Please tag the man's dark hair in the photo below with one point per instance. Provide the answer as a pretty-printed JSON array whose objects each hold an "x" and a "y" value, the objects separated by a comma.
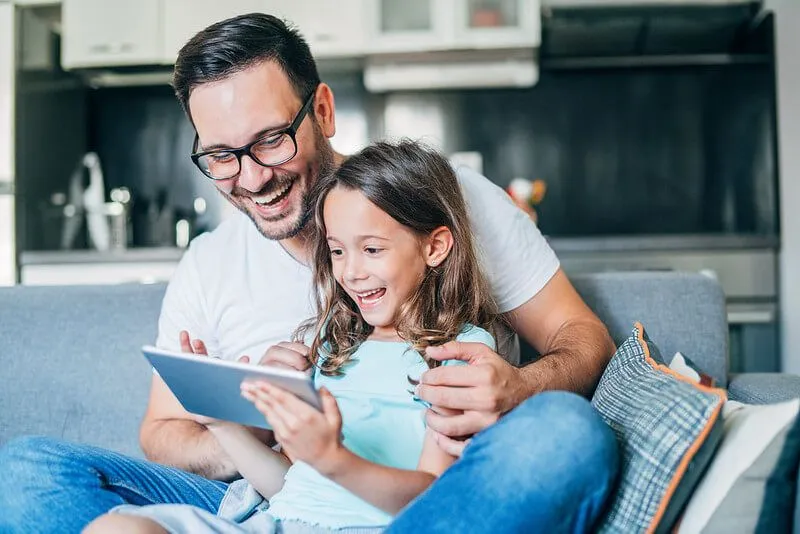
[{"x": 235, "y": 44}]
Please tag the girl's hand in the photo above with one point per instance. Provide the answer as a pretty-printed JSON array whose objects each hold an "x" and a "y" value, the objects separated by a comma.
[{"x": 304, "y": 432}]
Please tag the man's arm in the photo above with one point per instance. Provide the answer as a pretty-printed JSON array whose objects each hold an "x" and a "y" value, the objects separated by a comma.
[
  {"x": 574, "y": 344},
  {"x": 170, "y": 436},
  {"x": 575, "y": 348}
]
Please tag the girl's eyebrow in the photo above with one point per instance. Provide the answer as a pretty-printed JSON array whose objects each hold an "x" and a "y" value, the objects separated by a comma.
[
  {"x": 371, "y": 236},
  {"x": 361, "y": 238}
]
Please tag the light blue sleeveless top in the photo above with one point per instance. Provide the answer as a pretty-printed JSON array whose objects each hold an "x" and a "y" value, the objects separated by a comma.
[{"x": 381, "y": 423}]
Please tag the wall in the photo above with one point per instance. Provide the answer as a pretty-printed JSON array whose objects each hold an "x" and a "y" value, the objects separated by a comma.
[
  {"x": 623, "y": 151},
  {"x": 788, "y": 73}
]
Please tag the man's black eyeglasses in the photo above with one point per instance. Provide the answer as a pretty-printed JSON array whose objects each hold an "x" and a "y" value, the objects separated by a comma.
[{"x": 269, "y": 150}]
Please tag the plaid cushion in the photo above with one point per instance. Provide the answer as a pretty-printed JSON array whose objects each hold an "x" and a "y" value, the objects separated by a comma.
[{"x": 667, "y": 431}]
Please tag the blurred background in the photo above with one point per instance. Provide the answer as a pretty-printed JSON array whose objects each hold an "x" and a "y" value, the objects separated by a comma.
[{"x": 660, "y": 134}]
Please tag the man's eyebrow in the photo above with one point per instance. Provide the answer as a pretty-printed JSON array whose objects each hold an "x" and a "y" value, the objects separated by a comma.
[{"x": 257, "y": 135}]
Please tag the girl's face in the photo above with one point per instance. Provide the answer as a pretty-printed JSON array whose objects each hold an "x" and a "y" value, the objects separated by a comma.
[{"x": 379, "y": 262}]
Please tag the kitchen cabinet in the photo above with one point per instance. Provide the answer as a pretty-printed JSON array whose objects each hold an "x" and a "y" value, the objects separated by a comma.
[
  {"x": 425, "y": 25},
  {"x": 80, "y": 267},
  {"x": 497, "y": 23},
  {"x": 184, "y": 18},
  {"x": 102, "y": 33},
  {"x": 410, "y": 26},
  {"x": 331, "y": 28},
  {"x": 8, "y": 256}
]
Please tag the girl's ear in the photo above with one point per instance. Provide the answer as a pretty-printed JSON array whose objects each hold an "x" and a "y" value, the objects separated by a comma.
[{"x": 439, "y": 244}]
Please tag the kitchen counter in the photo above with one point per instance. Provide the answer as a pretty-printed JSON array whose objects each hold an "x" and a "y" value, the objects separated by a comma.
[
  {"x": 70, "y": 267},
  {"x": 662, "y": 243},
  {"x": 561, "y": 245},
  {"x": 131, "y": 255},
  {"x": 745, "y": 265}
]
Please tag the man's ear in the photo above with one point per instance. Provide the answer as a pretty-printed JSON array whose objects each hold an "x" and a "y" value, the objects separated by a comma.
[
  {"x": 324, "y": 110},
  {"x": 438, "y": 246}
]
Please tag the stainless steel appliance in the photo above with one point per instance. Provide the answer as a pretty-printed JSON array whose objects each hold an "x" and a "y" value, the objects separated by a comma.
[
  {"x": 7, "y": 237},
  {"x": 746, "y": 267}
]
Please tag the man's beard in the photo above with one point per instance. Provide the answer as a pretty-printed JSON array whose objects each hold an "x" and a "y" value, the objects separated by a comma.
[{"x": 325, "y": 165}]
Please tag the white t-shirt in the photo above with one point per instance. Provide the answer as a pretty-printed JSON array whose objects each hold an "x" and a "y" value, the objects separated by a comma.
[{"x": 242, "y": 293}]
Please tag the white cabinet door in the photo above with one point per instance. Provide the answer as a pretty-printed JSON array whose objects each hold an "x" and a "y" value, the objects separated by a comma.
[
  {"x": 8, "y": 258},
  {"x": 410, "y": 25},
  {"x": 332, "y": 28},
  {"x": 497, "y": 23},
  {"x": 426, "y": 25},
  {"x": 99, "y": 33},
  {"x": 184, "y": 18}
]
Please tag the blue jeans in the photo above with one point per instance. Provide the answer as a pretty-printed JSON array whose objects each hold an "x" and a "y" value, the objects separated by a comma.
[
  {"x": 52, "y": 486},
  {"x": 547, "y": 466}
]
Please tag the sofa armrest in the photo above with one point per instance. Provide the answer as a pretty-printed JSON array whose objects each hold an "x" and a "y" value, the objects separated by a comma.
[{"x": 763, "y": 388}]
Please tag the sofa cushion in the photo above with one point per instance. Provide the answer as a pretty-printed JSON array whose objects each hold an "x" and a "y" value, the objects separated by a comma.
[
  {"x": 71, "y": 362},
  {"x": 750, "y": 484},
  {"x": 668, "y": 428}
]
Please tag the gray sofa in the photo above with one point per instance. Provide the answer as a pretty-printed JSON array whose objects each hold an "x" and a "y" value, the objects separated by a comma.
[{"x": 72, "y": 368}]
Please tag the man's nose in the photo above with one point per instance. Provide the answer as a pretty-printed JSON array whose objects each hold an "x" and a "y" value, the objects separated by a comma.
[{"x": 252, "y": 176}]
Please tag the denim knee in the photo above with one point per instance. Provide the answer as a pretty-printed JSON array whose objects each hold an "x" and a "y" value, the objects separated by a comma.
[
  {"x": 24, "y": 461},
  {"x": 554, "y": 437}
]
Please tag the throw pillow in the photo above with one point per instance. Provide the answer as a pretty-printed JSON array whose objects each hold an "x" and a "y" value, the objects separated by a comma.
[
  {"x": 683, "y": 365},
  {"x": 751, "y": 483},
  {"x": 668, "y": 428}
]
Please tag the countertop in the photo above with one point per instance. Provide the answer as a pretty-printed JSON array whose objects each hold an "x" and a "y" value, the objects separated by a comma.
[
  {"x": 561, "y": 245},
  {"x": 662, "y": 243},
  {"x": 131, "y": 255}
]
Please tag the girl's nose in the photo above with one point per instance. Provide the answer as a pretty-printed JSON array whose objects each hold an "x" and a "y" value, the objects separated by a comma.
[{"x": 354, "y": 269}]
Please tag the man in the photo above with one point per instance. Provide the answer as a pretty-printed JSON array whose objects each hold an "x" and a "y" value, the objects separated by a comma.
[{"x": 250, "y": 87}]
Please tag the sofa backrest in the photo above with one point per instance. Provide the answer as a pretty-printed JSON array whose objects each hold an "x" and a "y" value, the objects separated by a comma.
[
  {"x": 681, "y": 312},
  {"x": 72, "y": 367},
  {"x": 71, "y": 362}
]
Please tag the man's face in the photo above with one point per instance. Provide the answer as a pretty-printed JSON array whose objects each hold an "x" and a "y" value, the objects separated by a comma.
[{"x": 241, "y": 108}]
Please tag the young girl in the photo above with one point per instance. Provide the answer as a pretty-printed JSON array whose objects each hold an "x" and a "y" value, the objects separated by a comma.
[{"x": 395, "y": 272}]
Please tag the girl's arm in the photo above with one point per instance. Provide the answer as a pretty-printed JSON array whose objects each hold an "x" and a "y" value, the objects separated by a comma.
[
  {"x": 315, "y": 438},
  {"x": 387, "y": 488},
  {"x": 262, "y": 466}
]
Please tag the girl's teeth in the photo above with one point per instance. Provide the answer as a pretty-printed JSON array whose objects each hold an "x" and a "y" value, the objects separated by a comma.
[{"x": 365, "y": 297}]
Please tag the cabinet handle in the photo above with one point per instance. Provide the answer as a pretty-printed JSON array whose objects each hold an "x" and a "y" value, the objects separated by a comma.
[
  {"x": 103, "y": 48},
  {"x": 111, "y": 48}
]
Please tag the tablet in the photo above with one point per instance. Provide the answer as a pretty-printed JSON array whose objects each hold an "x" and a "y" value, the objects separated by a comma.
[{"x": 211, "y": 387}]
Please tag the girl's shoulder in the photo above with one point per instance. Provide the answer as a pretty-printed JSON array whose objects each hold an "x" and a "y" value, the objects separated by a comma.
[{"x": 475, "y": 334}]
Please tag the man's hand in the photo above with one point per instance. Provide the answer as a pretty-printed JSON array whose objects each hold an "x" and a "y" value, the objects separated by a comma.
[
  {"x": 196, "y": 346},
  {"x": 289, "y": 356},
  {"x": 466, "y": 399}
]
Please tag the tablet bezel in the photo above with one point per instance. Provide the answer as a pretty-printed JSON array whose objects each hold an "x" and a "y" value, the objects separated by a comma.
[{"x": 192, "y": 377}]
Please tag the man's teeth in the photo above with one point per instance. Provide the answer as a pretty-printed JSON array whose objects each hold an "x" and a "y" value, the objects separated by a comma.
[{"x": 266, "y": 199}]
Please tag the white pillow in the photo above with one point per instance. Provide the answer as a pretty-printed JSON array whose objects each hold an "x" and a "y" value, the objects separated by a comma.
[{"x": 746, "y": 483}]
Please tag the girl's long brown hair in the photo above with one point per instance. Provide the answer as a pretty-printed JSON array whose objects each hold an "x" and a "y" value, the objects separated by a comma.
[{"x": 417, "y": 187}]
